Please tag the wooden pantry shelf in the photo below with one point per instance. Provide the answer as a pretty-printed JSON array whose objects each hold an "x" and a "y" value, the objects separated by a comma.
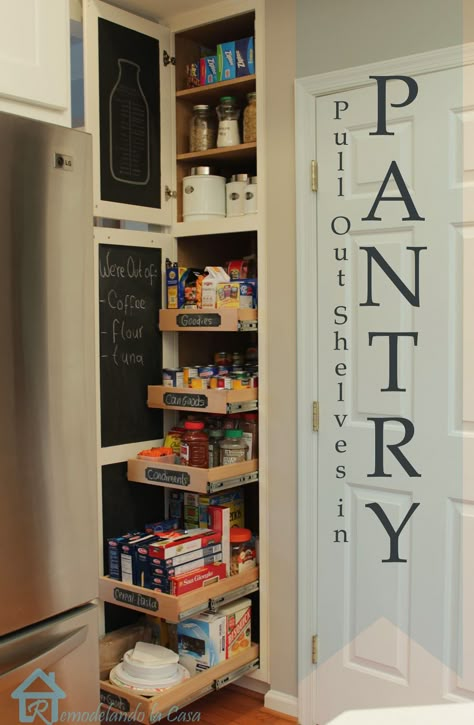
[
  {"x": 208, "y": 320},
  {"x": 224, "y": 225},
  {"x": 205, "y": 401},
  {"x": 150, "y": 710},
  {"x": 211, "y": 93},
  {"x": 176, "y": 608},
  {"x": 243, "y": 153},
  {"x": 200, "y": 480}
]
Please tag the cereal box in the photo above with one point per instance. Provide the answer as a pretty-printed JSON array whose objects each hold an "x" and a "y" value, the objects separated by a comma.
[{"x": 238, "y": 626}]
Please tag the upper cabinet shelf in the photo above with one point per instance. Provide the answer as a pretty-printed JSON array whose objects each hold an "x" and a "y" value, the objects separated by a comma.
[
  {"x": 211, "y": 93},
  {"x": 244, "y": 153}
]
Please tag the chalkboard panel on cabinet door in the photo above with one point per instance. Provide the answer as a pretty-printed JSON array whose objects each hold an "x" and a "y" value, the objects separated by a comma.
[
  {"x": 130, "y": 342},
  {"x": 129, "y": 110}
]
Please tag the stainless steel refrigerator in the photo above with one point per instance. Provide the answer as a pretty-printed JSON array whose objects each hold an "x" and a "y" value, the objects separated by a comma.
[{"x": 48, "y": 474}]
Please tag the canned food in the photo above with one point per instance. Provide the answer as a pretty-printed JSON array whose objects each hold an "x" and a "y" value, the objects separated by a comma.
[
  {"x": 199, "y": 383},
  {"x": 207, "y": 371},
  {"x": 224, "y": 382},
  {"x": 240, "y": 383},
  {"x": 188, "y": 374},
  {"x": 213, "y": 382},
  {"x": 222, "y": 358},
  {"x": 253, "y": 381},
  {"x": 223, "y": 370},
  {"x": 173, "y": 377},
  {"x": 237, "y": 358}
]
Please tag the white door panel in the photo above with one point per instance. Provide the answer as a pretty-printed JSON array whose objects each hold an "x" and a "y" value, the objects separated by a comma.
[{"x": 391, "y": 633}]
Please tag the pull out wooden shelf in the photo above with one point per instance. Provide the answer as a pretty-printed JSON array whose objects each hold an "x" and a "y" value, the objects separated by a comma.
[
  {"x": 175, "y": 609},
  {"x": 208, "y": 320},
  {"x": 205, "y": 401},
  {"x": 147, "y": 709},
  {"x": 200, "y": 480},
  {"x": 211, "y": 93}
]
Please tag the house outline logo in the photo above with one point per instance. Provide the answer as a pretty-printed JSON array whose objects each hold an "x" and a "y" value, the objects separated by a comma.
[{"x": 36, "y": 706}]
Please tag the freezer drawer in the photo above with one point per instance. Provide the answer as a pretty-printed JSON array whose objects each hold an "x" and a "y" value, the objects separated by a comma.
[{"x": 54, "y": 665}]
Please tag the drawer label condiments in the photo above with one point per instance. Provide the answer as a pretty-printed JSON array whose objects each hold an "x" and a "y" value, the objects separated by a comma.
[
  {"x": 111, "y": 700},
  {"x": 161, "y": 475},
  {"x": 199, "y": 320},
  {"x": 135, "y": 599},
  {"x": 186, "y": 400}
]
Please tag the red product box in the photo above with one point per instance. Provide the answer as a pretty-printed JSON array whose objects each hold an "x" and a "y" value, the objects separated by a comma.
[
  {"x": 180, "y": 542},
  {"x": 198, "y": 578}
]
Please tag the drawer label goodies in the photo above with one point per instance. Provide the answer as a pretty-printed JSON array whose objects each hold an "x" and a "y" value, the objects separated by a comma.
[
  {"x": 199, "y": 320},
  {"x": 161, "y": 475},
  {"x": 111, "y": 700},
  {"x": 186, "y": 400},
  {"x": 135, "y": 599}
]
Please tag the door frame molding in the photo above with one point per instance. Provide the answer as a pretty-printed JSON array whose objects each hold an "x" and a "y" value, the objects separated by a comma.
[{"x": 307, "y": 90}]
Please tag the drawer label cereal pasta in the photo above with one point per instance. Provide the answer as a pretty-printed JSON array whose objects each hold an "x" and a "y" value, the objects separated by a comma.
[{"x": 135, "y": 599}]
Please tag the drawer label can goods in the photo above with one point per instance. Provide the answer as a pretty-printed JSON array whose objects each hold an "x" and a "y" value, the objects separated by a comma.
[
  {"x": 162, "y": 475},
  {"x": 200, "y": 319},
  {"x": 135, "y": 599},
  {"x": 186, "y": 400},
  {"x": 115, "y": 701}
]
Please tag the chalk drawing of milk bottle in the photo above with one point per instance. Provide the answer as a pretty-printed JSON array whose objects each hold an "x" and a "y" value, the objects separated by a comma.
[{"x": 129, "y": 122}]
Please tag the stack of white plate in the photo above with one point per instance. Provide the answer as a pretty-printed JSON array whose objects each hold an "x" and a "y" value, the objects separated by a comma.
[{"x": 148, "y": 669}]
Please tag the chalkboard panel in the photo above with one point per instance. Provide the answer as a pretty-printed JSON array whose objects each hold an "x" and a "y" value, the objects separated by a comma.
[
  {"x": 129, "y": 111},
  {"x": 130, "y": 342}
]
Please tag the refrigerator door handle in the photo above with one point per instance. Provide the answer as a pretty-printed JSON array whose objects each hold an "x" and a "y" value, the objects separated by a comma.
[{"x": 49, "y": 656}]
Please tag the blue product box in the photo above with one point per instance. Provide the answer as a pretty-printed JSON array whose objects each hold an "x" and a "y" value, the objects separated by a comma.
[
  {"x": 226, "y": 61},
  {"x": 202, "y": 641},
  {"x": 244, "y": 57},
  {"x": 129, "y": 558},
  {"x": 208, "y": 70},
  {"x": 115, "y": 550},
  {"x": 162, "y": 526}
]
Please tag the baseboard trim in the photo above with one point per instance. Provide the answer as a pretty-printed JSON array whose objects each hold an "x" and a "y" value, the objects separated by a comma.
[{"x": 282, "y": 704}]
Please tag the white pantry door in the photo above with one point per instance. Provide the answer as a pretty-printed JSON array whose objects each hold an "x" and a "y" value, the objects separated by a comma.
[{"x": 394, "y": 634}]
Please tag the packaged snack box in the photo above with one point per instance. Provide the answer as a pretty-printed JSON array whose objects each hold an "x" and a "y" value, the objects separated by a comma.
[
  {"x": 183, "y": 542},
  {"x": 244, "y": 57},
  {"x": 202, "y": 641},
  {"x": 248, "y": 293},
  {"x": 238, "y": 616},
  {"x": 228, "y": 294},
  {"x": 164, "y": 575},
  {"x": 226, "y": 61}
]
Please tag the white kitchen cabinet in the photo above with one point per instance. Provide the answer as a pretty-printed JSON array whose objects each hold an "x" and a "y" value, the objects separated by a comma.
[{"x": 34, "y": 59}]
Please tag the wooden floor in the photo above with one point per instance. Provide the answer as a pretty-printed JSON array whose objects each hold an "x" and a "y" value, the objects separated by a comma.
[{"x": 230, "y": 706}]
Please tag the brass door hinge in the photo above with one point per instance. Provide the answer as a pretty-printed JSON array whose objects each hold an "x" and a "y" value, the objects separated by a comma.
[
  {"x": 314, "y": 175},
  {"x": 315, "y": 416},
  {"x": 314, "y": 649}
]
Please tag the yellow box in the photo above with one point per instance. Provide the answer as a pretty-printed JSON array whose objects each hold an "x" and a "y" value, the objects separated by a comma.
[{"x": 228, "y": 294}]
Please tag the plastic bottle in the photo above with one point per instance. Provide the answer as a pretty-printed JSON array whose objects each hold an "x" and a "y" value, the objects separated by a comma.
[
  {"x": 233, "y": 448},
  {"x": 194, "y": 445}
]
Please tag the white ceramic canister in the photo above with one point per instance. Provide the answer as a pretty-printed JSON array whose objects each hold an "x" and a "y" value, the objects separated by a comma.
[
  {"x": 203, "y": 195},
  {"x": 235, "y": 194},
  {"x": 250, "y": 203}
]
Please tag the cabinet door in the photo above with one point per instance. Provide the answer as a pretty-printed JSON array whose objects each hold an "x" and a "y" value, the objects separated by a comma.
[
  {"x": 128, "y": 111},
  {"x": 34, "y": 59}
]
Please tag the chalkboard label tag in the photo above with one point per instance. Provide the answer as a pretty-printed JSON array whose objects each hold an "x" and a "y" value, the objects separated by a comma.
[
  {"x": 199, "y": 319},
  {"x": 111, "y": 700},
  {"x": 135, "y": 599},
  {"x": 186, "y": 400},
  {"x": 161, "y": 475}
]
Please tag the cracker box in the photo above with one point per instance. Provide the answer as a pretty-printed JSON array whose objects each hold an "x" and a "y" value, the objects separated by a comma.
[
  {"x": 228, "y": 294},
  {"x": 248, "y": 293},
  {"x": 244, "y": 57},
  {"x": 202, "y": 641},
  {"x": 226, "y": 61},
  {"x": 233, "y": 499},
  {"x": 172, "y": 276},
  {"x": 208, "y": 70},
  {"x": 181, "y": 542},
  {"x": 238, "y": 616},
  {"x": 197, "y": 578}
]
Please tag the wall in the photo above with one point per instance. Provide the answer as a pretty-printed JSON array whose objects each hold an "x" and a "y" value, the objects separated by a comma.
[
  {"x": 280, "y": 69},
  {"x": 334, "y": 34}
]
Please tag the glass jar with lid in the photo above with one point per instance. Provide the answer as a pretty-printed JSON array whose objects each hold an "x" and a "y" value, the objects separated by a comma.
[
  {"x": 243, "y": 555},
  {"x": 203, "y": 129},
  {"x": 233, "y": 447},
  {"x": 228, "y": 113},
  {"x": 250, "y": 119}
]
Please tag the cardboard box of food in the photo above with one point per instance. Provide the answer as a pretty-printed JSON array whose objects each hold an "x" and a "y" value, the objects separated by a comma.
[
  {"x": 228, "y": 294},
  {"x": 181, "y": 542},
  {"x": 197, "y": 578},
  {"x": 238, "y": 616}
]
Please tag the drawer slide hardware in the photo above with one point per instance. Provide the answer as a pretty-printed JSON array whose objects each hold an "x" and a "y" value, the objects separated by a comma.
[
  {"x": 217, "y": 602},
  {"x": 248, "y": 326},
  {"x": 232, "y": 676},
  {"x": 214, "y": 486},
  {"x": 247, "y": 406}
]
